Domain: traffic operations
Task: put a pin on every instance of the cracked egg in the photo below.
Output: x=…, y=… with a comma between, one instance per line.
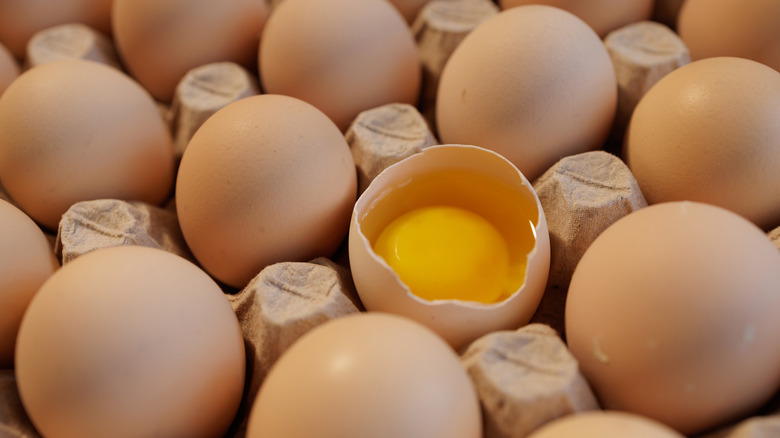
x=453, y=237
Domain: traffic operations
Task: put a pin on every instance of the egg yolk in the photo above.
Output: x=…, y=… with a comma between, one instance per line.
x=443, y=252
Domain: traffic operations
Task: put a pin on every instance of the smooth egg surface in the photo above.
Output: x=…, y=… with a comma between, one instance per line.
x=342, y=56
x=74, y=130
x=161, y=40
x=708, y=132
x=671, y=315
x=603, y=16
x=27, y=261
x=533, y=83
x=713, y=28
x=130, y=341
x=266, y=179
x=370, y=374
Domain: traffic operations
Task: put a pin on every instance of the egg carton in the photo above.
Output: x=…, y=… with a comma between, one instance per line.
x=581, y=196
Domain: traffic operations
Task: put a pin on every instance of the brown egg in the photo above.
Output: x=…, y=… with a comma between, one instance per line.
x=21, y=19
x=26, y=261
x=708, y=132
x=533, y=83
x=130, y=341
x=603, y=16
x=672, y=314
x=342, y=56
x=9, y=68
x=76, y=130
x=750, y=30
x=161, y=40
x=367, y=375
x=604, y=424
x=266, y=179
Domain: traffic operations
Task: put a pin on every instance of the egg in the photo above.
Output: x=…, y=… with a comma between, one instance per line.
x=9, y=68
x=161, y=40
x=130, y=341
x=441, y=269
x=21, y=19
x=603, y=16
x=671, y=314
x=342, y=56
x=369, y=374
x=713, y=28
x=533, y=83
x=26, y=261
x=604, y=424
x=266, y=179
x=708, y=132
x=74, y=130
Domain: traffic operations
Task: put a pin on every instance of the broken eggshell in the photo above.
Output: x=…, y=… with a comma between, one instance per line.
x=493, y=188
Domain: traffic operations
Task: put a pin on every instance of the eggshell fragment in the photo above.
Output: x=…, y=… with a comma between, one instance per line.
x=342, y=56
x=265, y=179
x=603, y=16
x=161, y=40
x=581, y=196
x=21, y=19
x=533, y=83
x=459, y=322
x=609, y=424
x=26, y=262
x=708, y=132
x=74, y=130
x=281, y=304
x=72, y=40
x=367, y=374
x=385, y=135
x=525, y=378
x=103, y=223
x=671, y=315
x=130, y=341
x=712, y=28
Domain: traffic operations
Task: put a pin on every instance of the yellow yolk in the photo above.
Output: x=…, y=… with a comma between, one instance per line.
x=443, y=252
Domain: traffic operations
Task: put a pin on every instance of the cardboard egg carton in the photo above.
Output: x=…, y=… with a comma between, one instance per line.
x=524, y=378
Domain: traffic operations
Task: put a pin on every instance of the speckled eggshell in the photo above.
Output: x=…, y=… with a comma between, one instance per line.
x=21, y=19
x=367, y=375
x=708, y=132
x=9, y=68
x=266, y=179
x=750, y=30
x=26, y=261
x=342, y=56
x=161, y=40
x=604, y=424
x=533, y=83
x=603, y=16
x=130, y=341
x=672, y=314
x=75, y=130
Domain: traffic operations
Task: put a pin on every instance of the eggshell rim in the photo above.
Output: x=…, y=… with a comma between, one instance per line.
x=368, y=196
